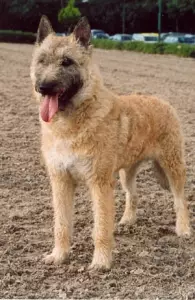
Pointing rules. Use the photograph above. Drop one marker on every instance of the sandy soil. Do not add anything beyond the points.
(150, 261)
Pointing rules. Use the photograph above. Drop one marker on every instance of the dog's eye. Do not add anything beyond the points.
(41, 61)
(67, 62)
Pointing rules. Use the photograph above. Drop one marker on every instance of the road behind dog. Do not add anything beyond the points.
(89, 133)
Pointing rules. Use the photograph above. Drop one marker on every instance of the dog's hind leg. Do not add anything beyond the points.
(172, 161)
(161, 176)
(128, 182)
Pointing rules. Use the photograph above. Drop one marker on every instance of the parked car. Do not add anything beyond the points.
(189, 38)
(177, 37)
(183, 39)
(121, 37)
(99, 33)
(101, 36)
(95, 31)
(172, 39)
(163, 35)
(145, 37)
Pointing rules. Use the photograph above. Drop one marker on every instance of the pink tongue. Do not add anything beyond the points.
(49, 107)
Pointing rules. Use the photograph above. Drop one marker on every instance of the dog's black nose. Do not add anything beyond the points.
(47, 88)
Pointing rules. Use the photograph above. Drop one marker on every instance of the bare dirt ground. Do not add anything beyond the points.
(150, 261)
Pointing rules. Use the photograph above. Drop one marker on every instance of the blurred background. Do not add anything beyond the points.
(113, 16)
(119, 20)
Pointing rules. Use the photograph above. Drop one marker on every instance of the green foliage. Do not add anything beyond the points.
(11, 36)
(180, 50)
(156, 48)
(69, 14)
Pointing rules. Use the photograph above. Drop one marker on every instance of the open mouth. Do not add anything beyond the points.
(55, 100)
(51, 104)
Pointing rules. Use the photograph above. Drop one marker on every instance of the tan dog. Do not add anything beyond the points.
(89, 133)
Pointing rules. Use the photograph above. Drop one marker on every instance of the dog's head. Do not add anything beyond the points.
(61, 67)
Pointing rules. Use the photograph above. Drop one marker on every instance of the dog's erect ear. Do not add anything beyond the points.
(82, 32)
(44, 29)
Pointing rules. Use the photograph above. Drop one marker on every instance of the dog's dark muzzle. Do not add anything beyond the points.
(47, 88)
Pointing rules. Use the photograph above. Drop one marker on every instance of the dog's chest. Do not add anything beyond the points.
(60, 157)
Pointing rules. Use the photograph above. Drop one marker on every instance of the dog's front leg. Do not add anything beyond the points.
(63, 190)
(103, 207)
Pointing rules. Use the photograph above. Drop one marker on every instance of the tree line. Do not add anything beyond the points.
(113, 16)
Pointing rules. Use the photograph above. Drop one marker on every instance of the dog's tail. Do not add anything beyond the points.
(161, 176)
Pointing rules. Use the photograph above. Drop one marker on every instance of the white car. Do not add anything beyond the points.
(172, 39)
(121, 37)
(96, 32)
(145, 37)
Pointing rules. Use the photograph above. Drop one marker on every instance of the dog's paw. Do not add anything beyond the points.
(101, 260)
(128, 220)
(58, 256)
(183, 230)
(100, 266)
